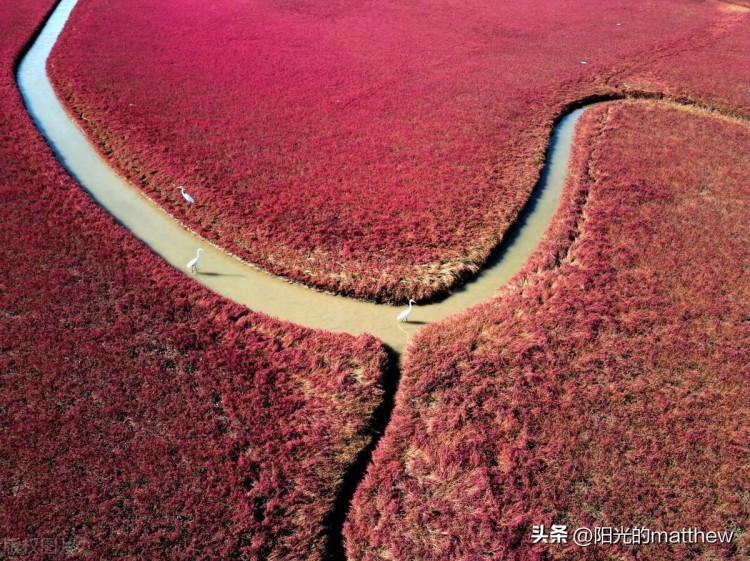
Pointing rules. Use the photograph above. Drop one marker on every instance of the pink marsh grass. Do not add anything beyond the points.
(378, 149)
(607, 385)
(140, 415)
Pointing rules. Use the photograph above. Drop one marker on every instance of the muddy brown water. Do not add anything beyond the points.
(232, 278)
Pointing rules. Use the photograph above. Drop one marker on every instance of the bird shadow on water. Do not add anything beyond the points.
(213, 274)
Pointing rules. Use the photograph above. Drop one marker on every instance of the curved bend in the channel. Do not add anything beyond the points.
(241, 282)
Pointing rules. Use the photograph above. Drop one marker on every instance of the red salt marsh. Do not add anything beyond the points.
(377, 149)
(607, 385)
(713, 72)
(141, 416)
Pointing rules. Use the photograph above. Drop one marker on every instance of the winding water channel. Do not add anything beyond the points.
(232, 278)
(259, 291)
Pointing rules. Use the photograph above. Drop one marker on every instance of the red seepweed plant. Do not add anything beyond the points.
(377, 150)
(606, 386)
(141, 416)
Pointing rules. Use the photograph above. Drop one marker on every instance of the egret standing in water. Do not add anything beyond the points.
(185, 196)
(404, 316)
(193, 264)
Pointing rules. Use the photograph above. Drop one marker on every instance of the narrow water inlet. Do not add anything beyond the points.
(241, 282)
(334, 523)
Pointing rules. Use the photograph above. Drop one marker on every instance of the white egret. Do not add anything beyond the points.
(185, 196)
(404, 316)
(193, 264)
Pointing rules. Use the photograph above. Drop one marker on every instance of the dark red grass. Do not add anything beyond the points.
(140, 415)
(379, 149)
(607, 386)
